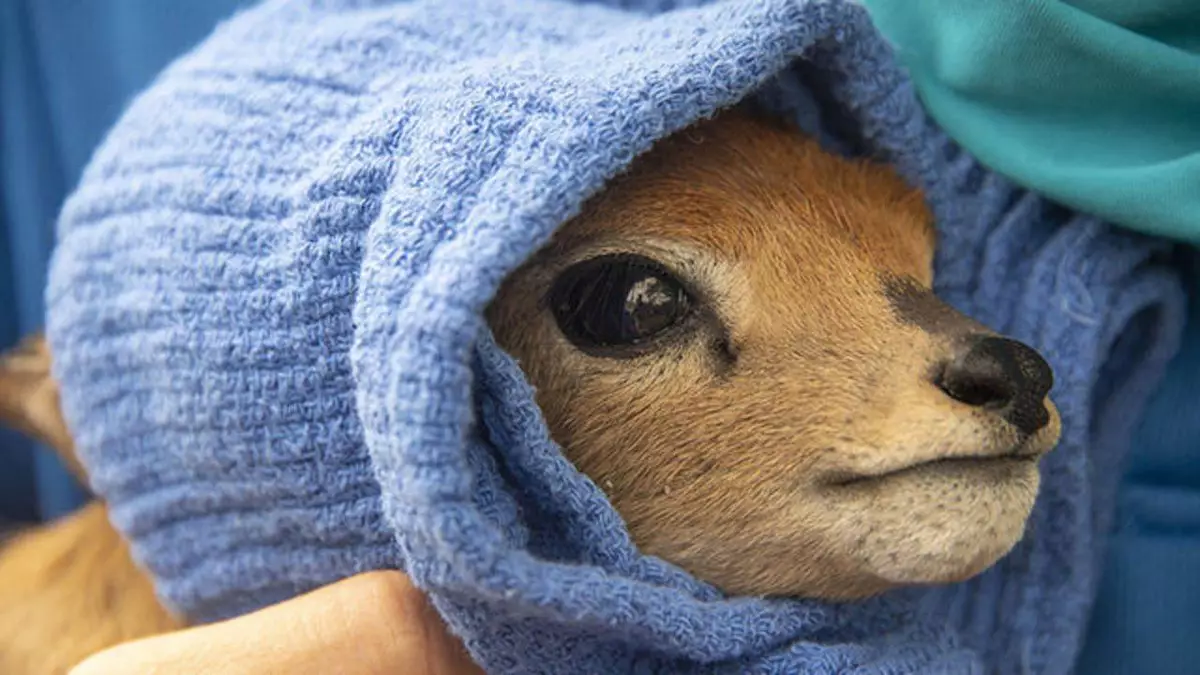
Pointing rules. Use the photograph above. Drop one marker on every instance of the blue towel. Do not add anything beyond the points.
(266, 308)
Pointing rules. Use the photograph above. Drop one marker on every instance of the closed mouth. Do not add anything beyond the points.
(979, 462)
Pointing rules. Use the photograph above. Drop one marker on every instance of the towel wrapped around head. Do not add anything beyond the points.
(266, 308)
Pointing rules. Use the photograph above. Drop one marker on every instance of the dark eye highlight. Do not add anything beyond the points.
(617, 301)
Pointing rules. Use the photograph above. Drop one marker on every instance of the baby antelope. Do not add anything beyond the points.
(738, 342)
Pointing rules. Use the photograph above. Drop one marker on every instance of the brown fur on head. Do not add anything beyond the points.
(738, 342)
(70, 588)
(801, 416)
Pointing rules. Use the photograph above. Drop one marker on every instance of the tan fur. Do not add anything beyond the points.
(29, 400)
(743, 474)
(801, 467)
(70, 588)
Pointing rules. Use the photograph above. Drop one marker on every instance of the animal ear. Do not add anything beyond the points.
(29, 399)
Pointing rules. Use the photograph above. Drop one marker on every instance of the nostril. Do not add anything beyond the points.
(1001, 375)
(978, 377)
(974, 390)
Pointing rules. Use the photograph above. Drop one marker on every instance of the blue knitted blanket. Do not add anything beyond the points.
(266, 312)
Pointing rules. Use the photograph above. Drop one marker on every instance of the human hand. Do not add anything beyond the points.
(373, 623)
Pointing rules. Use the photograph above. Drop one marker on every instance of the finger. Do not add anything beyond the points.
(374, 623)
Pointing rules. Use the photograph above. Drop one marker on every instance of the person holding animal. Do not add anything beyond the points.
(376, 623)
(689, 303)
(653, 284)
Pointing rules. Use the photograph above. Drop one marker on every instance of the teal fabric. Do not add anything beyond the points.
(267, 309)
(1096, 103)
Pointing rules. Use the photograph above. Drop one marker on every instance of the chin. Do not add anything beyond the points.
(947, 523)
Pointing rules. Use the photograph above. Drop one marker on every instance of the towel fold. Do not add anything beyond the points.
(266, 304)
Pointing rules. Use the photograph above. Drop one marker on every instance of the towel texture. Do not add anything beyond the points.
(266, 309)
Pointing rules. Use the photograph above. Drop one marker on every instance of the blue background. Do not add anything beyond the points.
(67, 69)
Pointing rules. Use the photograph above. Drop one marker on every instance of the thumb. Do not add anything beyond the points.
(375, 623)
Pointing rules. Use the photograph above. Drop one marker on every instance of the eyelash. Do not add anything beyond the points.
(698, 311)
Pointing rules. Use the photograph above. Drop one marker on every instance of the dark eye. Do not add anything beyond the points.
(617, 300)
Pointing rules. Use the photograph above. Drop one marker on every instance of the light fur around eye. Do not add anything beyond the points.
(780, 422)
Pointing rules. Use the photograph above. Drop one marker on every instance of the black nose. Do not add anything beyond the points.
(1002, 375)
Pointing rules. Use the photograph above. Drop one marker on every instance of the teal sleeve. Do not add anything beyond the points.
(1094, 103)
